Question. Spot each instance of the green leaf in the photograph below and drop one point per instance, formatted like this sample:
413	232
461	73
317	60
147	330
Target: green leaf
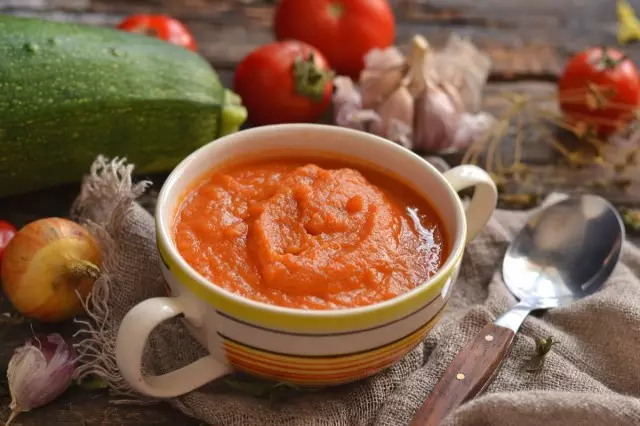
93	382
272	391
257	389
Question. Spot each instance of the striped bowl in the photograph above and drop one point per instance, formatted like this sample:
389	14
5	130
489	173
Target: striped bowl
305	347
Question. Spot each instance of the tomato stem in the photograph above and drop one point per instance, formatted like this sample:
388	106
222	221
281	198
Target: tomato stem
336	10
308	79
609	63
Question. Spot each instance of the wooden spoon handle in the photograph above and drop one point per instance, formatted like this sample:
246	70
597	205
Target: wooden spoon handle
469	373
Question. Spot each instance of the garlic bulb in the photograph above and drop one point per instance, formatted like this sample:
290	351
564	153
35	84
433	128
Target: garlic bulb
397	110
427	101
39	372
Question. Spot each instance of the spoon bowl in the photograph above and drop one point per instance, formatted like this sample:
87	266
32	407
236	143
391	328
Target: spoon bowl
565	252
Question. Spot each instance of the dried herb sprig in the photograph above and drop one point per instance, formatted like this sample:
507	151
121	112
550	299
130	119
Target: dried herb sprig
631	218
543	346
525	115
264	389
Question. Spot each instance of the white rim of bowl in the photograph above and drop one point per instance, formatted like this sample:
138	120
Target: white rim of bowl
164	236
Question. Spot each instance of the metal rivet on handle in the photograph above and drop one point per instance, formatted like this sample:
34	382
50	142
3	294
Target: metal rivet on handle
460	376
488	338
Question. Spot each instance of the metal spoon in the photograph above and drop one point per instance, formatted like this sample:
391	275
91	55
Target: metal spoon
564	253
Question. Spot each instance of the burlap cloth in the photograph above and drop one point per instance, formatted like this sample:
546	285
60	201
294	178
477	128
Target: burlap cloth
592	377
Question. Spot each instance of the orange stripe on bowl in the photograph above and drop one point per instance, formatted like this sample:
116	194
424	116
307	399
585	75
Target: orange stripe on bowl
288	363
318	370
323	370
318	381
306	378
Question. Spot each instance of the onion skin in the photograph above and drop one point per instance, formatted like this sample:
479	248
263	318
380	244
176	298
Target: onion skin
46	265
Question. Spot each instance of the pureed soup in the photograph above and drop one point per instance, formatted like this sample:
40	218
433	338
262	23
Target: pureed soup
309	232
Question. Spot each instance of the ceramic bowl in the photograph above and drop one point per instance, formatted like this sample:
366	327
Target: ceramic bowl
305	347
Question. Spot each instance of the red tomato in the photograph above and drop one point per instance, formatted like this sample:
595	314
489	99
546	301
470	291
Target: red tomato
162	27
7	231
284	82
601	88
343	30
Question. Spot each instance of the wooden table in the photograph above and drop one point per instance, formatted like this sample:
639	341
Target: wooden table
529	42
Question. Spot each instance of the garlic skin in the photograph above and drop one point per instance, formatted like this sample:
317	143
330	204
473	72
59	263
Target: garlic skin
39	372
347	106
345	93
442	125
463	66
471	128
382	75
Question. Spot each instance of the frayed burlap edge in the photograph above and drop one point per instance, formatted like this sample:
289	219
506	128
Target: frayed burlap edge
108	186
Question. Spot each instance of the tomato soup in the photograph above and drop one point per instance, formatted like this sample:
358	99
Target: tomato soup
310	233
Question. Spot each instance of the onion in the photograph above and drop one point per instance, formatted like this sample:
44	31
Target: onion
48	269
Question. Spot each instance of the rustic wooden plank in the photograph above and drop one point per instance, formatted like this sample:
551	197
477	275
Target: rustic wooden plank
524	40
589	9
224	44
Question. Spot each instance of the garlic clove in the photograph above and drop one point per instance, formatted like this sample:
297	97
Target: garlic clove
436	120
378	85
39	372
383	73
401	133
396	118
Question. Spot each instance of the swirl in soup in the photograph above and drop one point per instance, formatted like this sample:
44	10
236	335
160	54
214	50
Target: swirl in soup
309	233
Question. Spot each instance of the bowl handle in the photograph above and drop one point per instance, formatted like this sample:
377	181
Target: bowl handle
134	331
485	196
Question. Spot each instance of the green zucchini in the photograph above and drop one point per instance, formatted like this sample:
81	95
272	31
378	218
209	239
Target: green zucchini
69	92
